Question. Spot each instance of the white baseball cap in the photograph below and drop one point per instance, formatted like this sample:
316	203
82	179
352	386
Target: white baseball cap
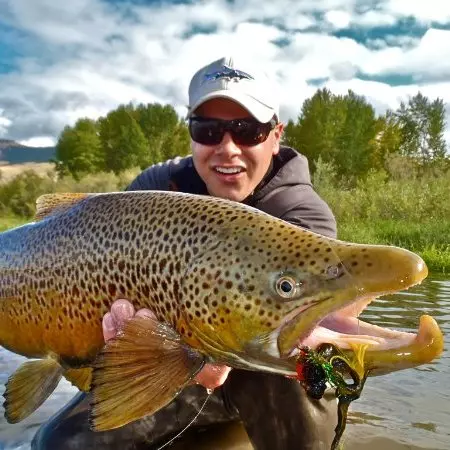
225	78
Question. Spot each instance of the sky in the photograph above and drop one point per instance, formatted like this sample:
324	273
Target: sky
63	60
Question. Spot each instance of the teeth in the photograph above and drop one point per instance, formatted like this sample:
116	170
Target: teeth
228	169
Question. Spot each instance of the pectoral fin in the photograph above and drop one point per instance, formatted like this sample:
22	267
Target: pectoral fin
139	372
81	378
29	386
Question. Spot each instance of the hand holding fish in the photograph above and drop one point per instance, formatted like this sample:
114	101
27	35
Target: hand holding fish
211	376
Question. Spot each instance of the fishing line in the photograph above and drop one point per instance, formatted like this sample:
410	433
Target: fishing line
210	392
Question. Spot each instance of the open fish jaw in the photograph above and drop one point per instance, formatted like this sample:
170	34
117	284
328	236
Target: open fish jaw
336	321
387	349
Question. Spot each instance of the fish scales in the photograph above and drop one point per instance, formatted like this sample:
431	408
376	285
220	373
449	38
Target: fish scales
67	269
234	284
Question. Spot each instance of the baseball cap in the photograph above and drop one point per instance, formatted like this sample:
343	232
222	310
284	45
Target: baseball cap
226	78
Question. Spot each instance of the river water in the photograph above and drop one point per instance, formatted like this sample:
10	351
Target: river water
409	409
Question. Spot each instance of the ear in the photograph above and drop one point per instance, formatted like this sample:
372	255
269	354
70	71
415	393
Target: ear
277	133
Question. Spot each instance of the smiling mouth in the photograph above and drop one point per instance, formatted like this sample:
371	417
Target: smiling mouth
228	170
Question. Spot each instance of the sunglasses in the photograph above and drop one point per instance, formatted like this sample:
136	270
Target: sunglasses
248	132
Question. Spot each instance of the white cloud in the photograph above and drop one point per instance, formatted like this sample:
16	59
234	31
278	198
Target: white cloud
430	57
4	124
424	11
343	70
39	141
297	21
339	19
96	56
373	18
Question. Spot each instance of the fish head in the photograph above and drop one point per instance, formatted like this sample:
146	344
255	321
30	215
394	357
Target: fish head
260	292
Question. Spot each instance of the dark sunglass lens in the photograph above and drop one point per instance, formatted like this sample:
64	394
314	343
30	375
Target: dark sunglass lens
250	132
206	132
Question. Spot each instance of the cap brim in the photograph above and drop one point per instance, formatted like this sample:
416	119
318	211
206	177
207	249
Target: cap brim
258	110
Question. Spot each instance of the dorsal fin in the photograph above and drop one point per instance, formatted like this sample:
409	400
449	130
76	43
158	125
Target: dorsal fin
49	204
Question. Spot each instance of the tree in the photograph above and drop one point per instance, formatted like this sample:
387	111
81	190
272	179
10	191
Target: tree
356	137
123	142
314	134
166	134
79	149
388	140
340	130
422	124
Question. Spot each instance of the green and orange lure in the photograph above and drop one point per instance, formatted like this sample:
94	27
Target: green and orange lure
328	367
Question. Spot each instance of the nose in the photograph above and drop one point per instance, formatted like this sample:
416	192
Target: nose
227	146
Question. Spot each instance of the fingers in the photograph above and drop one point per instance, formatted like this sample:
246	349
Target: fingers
109	327
144	312
121	310
212	375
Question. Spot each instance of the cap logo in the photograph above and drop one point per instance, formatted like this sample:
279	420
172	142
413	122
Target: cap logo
227	73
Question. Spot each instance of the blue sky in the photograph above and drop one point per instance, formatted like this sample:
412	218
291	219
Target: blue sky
60	61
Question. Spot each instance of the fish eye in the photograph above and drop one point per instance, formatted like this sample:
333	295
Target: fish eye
286	287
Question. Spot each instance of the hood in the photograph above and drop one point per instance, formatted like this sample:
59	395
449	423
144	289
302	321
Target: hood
288	168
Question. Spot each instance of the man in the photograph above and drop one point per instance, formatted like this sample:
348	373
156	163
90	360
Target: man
236	154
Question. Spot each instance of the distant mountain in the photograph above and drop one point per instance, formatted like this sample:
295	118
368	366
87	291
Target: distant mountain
12	152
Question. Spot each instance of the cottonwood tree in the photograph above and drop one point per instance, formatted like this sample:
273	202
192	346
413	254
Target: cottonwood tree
422	123
340	129
123	142
79	149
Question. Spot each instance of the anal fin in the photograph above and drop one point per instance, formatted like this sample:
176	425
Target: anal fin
139	372
29	386
81	378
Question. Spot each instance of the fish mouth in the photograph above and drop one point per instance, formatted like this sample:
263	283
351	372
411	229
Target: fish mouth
335	318
387	350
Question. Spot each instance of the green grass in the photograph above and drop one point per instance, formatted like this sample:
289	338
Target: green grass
11	222
428	239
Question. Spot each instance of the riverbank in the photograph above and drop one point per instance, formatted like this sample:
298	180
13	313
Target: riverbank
429	239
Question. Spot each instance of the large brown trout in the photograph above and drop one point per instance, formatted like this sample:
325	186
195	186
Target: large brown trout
228	283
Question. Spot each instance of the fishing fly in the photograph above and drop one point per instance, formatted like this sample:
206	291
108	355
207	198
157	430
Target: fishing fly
327	366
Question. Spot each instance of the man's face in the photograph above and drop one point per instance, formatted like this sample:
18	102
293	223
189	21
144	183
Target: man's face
212	161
